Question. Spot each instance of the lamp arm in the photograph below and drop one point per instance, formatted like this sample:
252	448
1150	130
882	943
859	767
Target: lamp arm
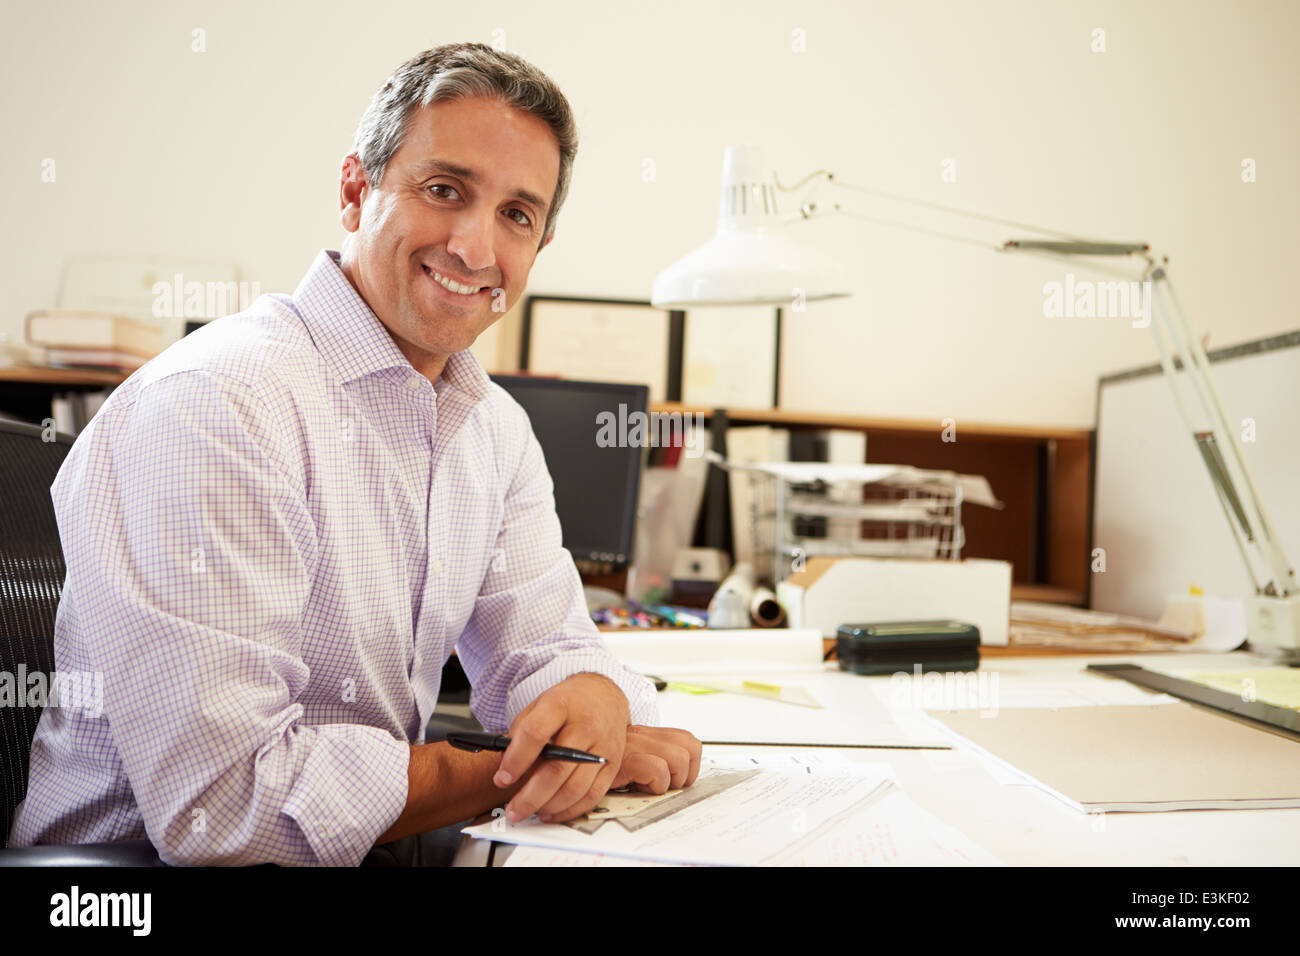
924	203
1231	474
1238	525
1231	477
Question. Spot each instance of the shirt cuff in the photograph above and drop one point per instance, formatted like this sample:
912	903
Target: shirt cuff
352	788
643	707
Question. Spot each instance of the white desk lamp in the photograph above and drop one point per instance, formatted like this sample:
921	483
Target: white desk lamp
753	260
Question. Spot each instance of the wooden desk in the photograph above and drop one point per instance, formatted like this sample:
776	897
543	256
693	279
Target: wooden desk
986	650
1026	826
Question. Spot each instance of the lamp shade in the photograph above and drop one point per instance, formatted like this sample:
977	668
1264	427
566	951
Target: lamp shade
752	259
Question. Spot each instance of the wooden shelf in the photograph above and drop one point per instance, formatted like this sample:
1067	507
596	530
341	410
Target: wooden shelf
1042	473
42	375
1047	594
780	416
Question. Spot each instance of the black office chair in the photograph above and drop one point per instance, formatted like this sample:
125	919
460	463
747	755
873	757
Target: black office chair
31	578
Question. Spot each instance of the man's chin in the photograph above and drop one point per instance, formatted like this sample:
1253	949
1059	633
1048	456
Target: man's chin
446	344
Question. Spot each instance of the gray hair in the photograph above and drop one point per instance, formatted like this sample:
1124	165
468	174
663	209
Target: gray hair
455	71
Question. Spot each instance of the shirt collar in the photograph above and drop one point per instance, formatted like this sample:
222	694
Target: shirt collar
353	340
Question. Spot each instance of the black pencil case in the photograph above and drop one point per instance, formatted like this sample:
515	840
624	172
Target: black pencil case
893	646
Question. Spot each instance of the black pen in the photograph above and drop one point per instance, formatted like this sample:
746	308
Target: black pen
474	742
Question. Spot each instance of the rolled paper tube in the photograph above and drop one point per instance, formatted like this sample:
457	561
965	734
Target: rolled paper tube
765	609
730	604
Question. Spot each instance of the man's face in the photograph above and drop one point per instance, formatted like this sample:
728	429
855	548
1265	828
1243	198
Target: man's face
465	197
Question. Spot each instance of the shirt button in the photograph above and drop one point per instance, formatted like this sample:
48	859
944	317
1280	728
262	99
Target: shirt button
413	382
437	565
419	662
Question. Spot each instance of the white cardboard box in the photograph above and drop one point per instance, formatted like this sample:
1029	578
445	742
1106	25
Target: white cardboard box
829	592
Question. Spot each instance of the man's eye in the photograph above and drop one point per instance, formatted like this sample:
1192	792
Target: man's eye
442	186
525	219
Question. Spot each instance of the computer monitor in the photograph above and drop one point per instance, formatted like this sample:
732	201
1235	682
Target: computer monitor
596	483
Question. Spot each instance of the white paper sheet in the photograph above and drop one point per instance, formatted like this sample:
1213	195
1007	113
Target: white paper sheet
1221	622
887	830
894	831
990	690
760	821
547	856
707	651
852	714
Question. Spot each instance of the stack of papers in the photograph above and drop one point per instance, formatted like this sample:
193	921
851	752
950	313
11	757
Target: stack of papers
1053	625
758	809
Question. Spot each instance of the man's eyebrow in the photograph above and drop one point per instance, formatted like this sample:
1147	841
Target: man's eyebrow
431	166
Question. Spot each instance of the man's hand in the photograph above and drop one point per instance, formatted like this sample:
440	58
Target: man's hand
587	712
659	759
654	759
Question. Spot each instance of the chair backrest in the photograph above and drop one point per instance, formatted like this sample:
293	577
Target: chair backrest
31	579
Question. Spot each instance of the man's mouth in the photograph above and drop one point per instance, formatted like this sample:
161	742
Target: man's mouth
451	286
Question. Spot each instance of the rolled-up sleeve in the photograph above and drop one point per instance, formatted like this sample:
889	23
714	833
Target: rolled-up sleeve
530	628
191	551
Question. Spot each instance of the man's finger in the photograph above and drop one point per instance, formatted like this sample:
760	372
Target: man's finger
531	731
688	742
573	789
548	778
666	747
594	793
682	738
553	776
647	772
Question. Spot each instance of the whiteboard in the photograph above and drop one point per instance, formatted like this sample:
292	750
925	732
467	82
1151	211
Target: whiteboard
1154	509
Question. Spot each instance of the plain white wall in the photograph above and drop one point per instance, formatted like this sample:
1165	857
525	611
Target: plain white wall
232	154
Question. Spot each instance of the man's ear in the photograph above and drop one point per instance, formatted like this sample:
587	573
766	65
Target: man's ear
353	187
546	243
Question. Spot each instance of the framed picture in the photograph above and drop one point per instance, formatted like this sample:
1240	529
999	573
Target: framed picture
604	340
732	357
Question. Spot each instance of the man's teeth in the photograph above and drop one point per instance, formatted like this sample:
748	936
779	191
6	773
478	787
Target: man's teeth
449	284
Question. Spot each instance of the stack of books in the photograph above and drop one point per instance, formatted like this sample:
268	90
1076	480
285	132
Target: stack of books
82	338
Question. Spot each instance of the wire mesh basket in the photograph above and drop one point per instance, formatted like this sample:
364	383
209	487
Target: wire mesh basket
786	512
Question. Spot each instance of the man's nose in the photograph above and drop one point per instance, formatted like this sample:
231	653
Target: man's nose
471	241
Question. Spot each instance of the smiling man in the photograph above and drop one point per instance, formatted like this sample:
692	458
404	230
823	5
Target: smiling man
444	245
278	530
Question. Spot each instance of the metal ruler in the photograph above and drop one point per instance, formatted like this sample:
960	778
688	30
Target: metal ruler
702	789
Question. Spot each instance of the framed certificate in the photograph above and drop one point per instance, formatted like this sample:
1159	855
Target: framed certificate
604	340
732	357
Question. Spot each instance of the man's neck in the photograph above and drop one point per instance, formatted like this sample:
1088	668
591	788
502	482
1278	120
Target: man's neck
428	364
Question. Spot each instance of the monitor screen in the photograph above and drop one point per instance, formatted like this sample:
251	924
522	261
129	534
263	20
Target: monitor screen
595	487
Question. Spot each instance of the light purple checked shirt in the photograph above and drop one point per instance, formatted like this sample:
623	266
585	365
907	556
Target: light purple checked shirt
276	531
